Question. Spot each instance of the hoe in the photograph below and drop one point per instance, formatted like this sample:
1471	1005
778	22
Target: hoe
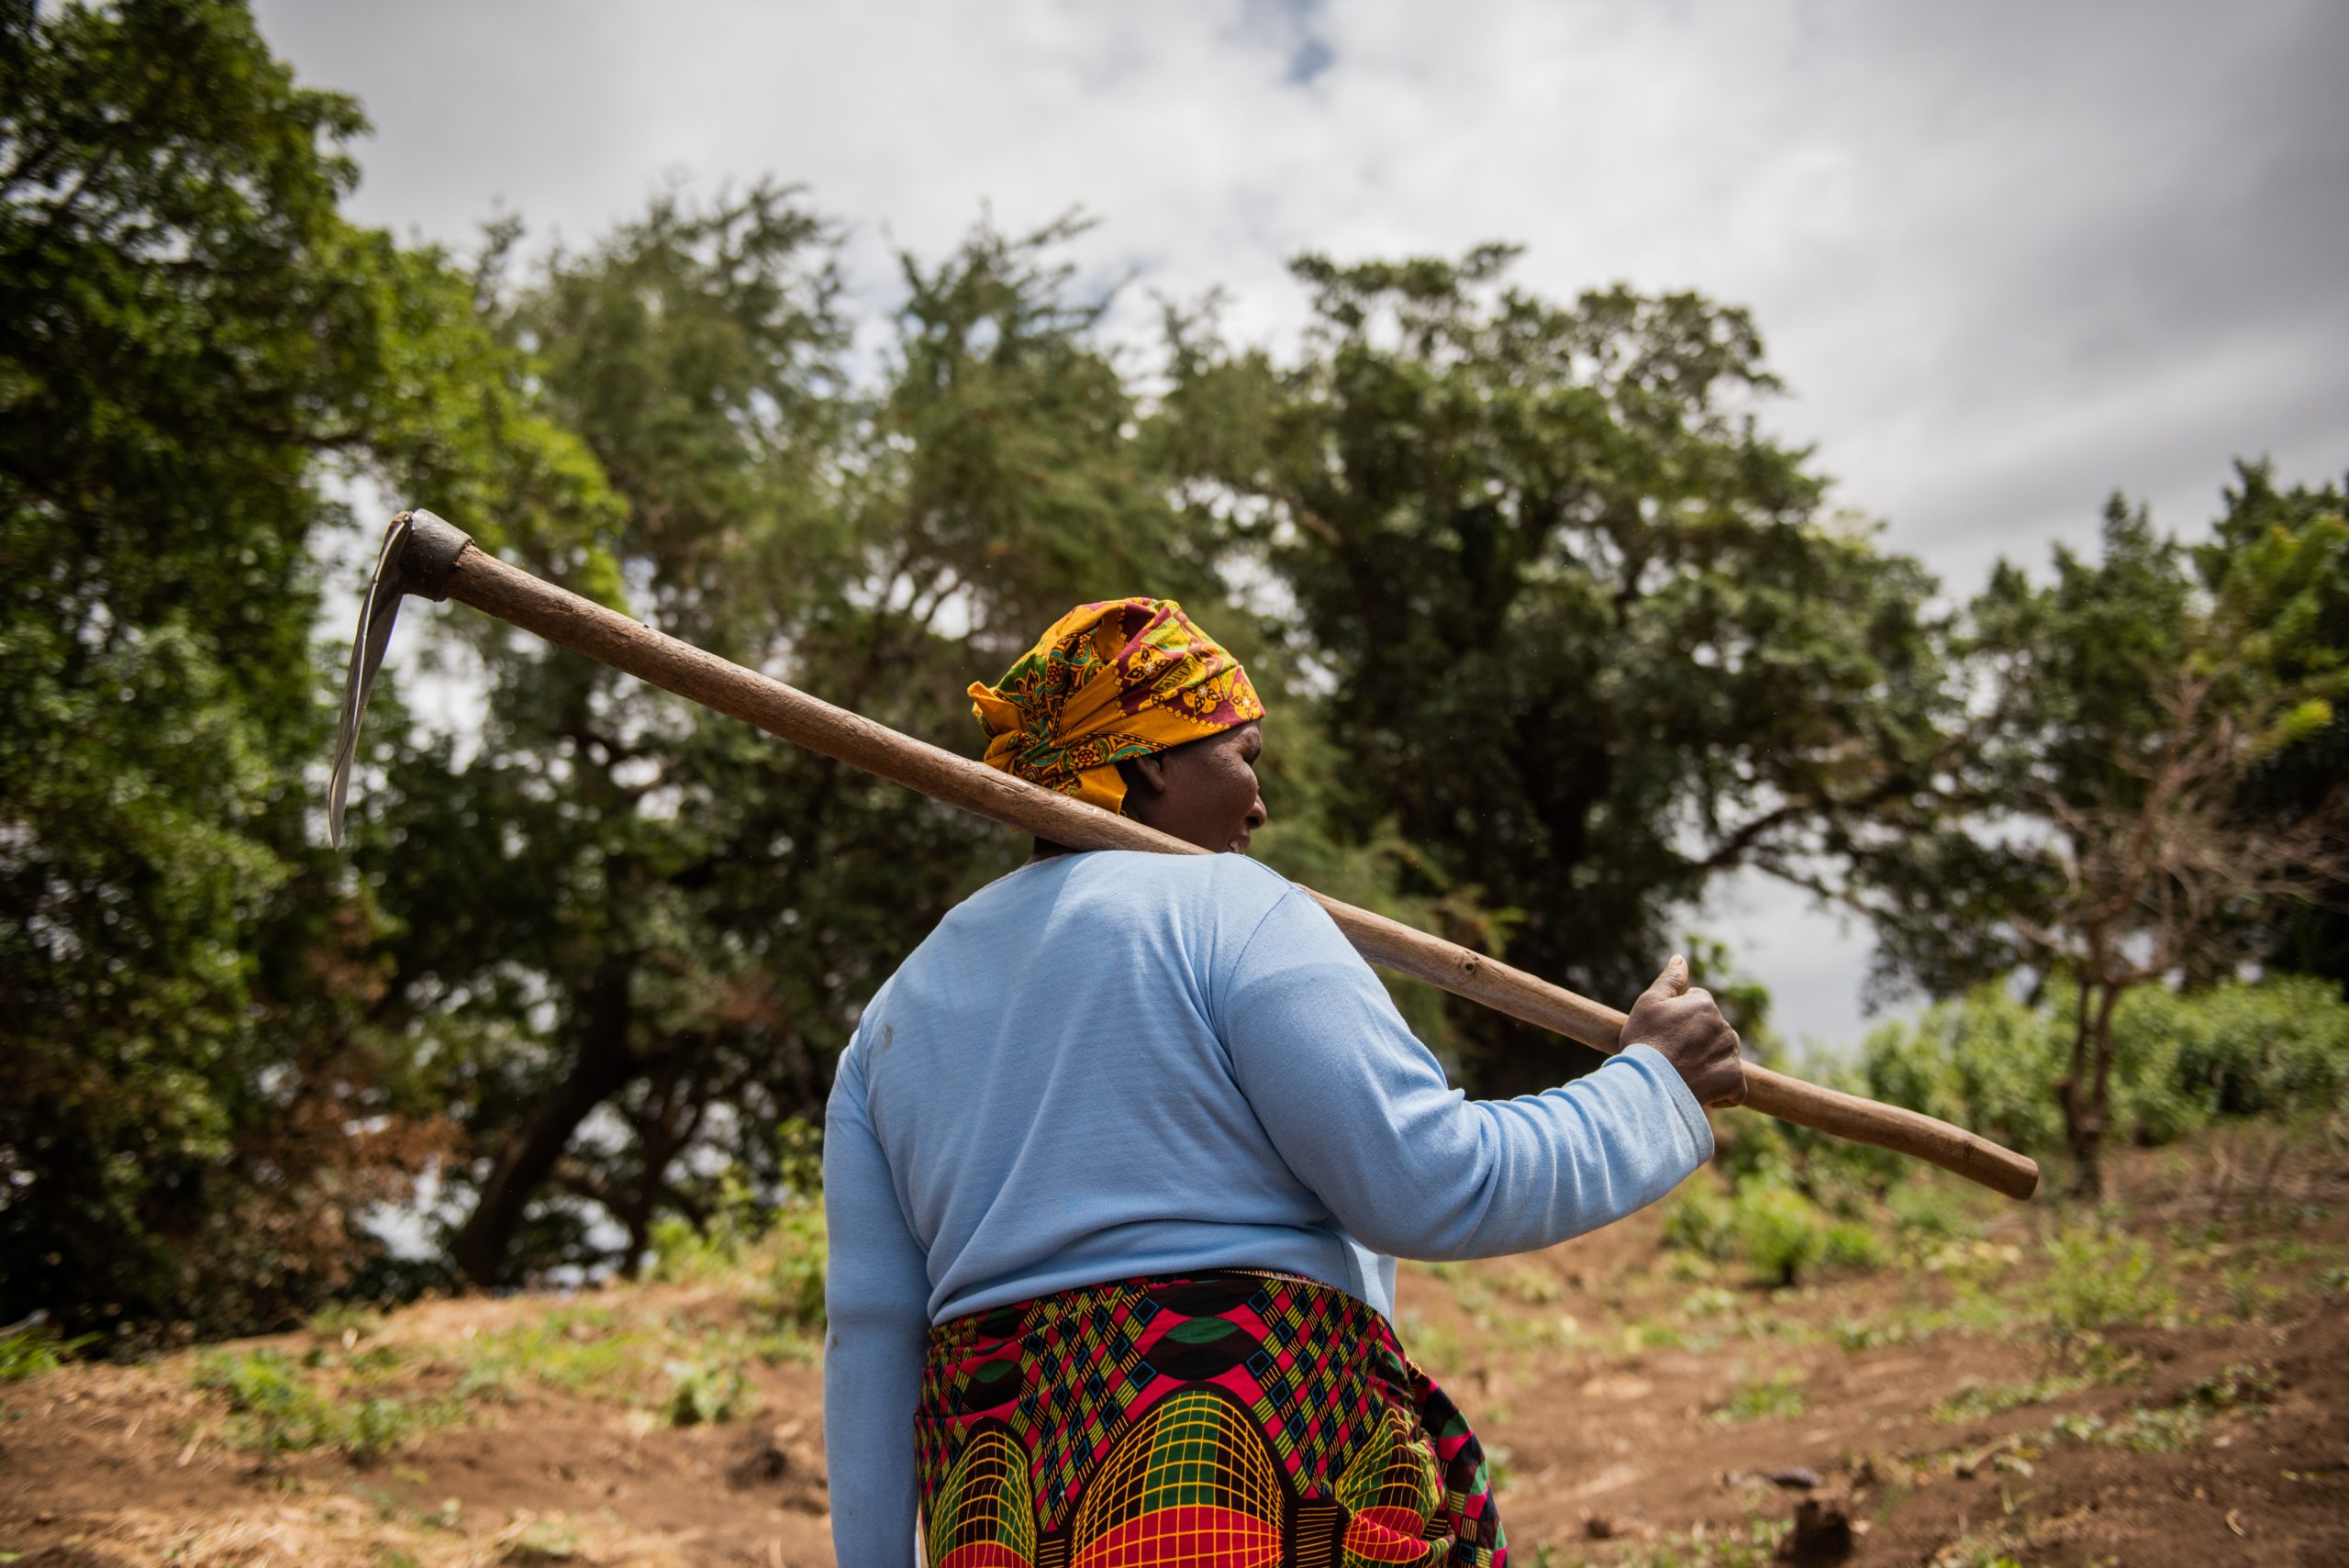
426	556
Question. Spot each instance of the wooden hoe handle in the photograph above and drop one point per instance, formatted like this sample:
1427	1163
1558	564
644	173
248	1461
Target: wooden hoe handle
463	572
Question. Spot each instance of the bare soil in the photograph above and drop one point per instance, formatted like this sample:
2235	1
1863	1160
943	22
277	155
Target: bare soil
1644	1408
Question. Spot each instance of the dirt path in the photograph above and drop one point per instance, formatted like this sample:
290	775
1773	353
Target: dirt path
2177	1393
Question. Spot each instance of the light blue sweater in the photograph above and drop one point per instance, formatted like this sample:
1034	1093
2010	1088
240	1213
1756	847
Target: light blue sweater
1115	1064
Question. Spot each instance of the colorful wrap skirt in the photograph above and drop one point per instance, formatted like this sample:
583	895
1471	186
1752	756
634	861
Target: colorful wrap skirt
1229	1419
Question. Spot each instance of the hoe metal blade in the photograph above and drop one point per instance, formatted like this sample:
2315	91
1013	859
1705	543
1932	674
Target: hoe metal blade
418	550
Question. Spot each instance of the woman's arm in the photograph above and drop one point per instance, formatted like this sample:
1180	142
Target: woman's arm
1360	1110
876	1300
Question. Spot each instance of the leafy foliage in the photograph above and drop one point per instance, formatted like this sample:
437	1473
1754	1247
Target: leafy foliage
1590	638
200	1105
277	1407
2278	1048
2151	723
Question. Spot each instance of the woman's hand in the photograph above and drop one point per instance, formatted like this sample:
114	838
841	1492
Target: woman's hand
1688	1028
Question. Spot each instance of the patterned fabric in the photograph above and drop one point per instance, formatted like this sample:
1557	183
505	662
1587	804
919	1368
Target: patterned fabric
1228	1419
1110	680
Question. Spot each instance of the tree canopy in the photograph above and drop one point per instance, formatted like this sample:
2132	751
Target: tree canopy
197	1106
1590	636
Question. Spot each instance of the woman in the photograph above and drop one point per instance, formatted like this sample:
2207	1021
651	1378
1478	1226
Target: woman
1118	1164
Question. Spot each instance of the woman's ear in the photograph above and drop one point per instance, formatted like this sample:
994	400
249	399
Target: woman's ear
1149	771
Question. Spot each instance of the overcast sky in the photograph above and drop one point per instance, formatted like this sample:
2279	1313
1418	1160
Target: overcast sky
2007	257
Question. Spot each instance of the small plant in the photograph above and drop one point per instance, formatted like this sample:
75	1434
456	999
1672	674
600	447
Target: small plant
276	1409
1697	1220
542	1541
1928	1208
1531	1285
2101	1281
1977	1400
1755	1546
1708	1301
2235	1388
2249	1296
348	1321
33	1348
1857	1334
1848	1244
374	1428
1779	1231
1778	1394
708	1392
792	1288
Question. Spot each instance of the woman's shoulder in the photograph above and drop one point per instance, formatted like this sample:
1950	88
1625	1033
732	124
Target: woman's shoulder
1104	891
1217	882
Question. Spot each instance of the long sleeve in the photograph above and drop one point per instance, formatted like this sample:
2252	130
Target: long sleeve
876	1334
1360	1110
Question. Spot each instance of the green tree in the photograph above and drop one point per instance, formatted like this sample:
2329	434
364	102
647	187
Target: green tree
196	1107
634	934
2308	936
1588	638
2142	714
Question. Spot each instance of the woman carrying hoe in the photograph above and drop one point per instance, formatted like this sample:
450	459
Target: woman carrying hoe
1120	1161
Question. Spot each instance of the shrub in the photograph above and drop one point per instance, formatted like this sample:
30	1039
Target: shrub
33	1348
2100	1281
2182	1058
1779	1230
1929	1207
1699	1219
708	1392
793	1285
276	1409
1848	1244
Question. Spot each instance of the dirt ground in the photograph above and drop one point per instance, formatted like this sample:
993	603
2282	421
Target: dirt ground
1975	1398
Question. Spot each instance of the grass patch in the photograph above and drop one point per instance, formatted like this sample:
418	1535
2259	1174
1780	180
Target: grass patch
1754	1544
2174	1428
35	1348
349	1321
707	1393
277	1406
1978	1401
542	1540
2102	1280
1780	1394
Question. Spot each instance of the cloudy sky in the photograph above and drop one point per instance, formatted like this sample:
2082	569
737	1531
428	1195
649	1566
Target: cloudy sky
2007	256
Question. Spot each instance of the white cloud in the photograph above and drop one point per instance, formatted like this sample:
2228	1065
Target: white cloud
2007	256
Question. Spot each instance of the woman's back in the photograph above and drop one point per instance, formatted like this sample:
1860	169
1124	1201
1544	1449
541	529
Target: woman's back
1048	1081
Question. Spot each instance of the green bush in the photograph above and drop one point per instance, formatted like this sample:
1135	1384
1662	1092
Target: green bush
1848	1244
793	1283
1697	1218
36	1348
2182	1058
276	1408
708	1392
1779	1230
2097	1280
1928	1207
277	1411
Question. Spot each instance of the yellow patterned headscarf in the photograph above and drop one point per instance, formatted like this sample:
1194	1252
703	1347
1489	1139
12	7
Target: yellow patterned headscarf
1110	680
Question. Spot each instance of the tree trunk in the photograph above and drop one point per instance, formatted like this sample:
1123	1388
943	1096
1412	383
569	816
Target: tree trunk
599	1071
2086	1089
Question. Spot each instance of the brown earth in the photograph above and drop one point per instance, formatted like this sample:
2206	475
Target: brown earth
1644	1407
